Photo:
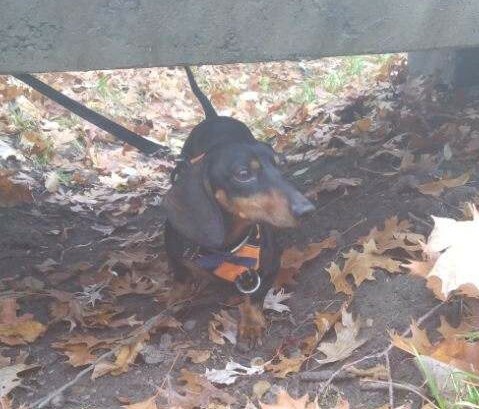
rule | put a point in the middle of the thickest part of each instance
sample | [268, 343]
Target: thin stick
[145, 328]
[42, 402]
[369, 385]
[390, 380]
[380, 354]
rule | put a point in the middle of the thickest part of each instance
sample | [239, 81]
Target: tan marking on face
[270, 207]
[254, 164]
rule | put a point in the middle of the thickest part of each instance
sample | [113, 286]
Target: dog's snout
[301, 206]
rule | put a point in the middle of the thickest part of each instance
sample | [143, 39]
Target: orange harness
[239, 265]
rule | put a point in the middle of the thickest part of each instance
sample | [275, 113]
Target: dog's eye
[243, 175]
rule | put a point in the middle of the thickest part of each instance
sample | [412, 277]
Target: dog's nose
[301, 206]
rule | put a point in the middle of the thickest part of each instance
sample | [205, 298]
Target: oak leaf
[396, 234]
[222, 327]
[360, 266]
[283, 365]
[16, 330]
[285, 401]
[347, 340]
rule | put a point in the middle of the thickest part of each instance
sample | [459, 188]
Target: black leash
[132, 138]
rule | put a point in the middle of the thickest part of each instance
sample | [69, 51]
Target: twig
[370, 385]
[381, 354]
[321, 376]
[390, 380]
[146, 327]
[42, 402]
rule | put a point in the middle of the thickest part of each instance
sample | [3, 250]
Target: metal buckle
[248, 282]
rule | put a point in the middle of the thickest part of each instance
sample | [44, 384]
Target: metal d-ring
[251, 276]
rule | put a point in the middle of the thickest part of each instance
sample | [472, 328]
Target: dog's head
[240, 178]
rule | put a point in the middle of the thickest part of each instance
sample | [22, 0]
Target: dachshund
[226, 200]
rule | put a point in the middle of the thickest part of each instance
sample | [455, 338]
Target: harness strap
[132, 138]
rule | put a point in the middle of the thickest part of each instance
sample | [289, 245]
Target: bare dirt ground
[366, 135]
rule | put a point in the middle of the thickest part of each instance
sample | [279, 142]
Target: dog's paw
[251, 326]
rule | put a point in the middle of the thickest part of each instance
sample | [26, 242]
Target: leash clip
[248, 282]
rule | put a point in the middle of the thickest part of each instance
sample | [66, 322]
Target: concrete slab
[60, 35]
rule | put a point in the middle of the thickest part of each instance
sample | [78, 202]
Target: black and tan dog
[227, 196]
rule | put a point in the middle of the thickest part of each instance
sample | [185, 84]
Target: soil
[32, 234]
[387, 303]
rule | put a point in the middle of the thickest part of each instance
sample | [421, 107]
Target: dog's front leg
[252, 324]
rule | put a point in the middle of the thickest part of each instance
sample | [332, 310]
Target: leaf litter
[115, 183]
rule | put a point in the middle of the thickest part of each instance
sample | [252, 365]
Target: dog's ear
[192, 209]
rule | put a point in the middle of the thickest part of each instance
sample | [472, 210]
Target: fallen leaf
[396, 234]
[222, 327]
[453, 246]
[52, 182]
[285, 401]
[198, 356]
[282, 365]
[80, 347]
[347, 340]
[9, 379]
[260, 388]
[273, 300]
[195, 392]
[149, 403]
[295, 258]
[330, 184]
[132, 283]
[437, 187]
[13, 193]
[17, 330]
[361, 266]
[231, 372]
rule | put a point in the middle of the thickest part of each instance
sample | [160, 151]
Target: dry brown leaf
[437, 187]
[17, 330]
[324, 321]
[125, 356]
[132, 283]
[347, 340]
[361, 266]
[222, 327]
[363, 125]
[295, 258]
[396, 234]
[12, 193]
[330, 184]
[284, 365]
[79, 348]
[149, 403]
[198, 356]
[454, 350]
[285, 401]
[195, 392]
